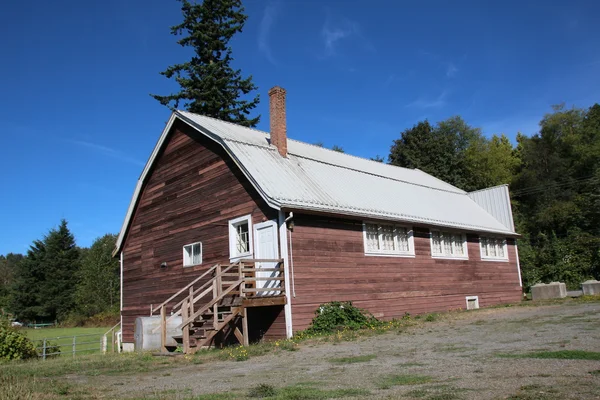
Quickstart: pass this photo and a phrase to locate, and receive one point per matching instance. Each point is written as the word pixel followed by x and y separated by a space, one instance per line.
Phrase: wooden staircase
pixel 220 303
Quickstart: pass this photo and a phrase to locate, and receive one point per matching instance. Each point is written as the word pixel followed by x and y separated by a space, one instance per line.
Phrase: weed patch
pixel 536 392
pixel 402 380
pixel 558 355
pixel 410 364
pixel 262 390
pixel 352 360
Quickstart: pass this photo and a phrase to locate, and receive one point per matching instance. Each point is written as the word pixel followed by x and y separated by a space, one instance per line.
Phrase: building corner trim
pixel 283 250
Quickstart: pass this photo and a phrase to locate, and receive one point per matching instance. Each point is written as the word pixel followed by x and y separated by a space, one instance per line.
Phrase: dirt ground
pixel 456 357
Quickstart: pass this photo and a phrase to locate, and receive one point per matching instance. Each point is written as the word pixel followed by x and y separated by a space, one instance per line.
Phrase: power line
pixel 551 186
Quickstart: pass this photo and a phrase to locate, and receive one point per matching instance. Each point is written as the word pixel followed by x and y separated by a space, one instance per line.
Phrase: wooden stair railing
pixel 186 287
pixel 225 305
pixel 176 310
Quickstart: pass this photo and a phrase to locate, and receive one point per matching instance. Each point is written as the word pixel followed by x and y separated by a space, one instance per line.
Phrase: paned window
pixel 448 244
pixel 240 237
pixel 493 248
pixel 192 254
pixel 386 239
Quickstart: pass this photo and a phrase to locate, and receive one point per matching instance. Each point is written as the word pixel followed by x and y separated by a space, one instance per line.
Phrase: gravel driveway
pixel 452 358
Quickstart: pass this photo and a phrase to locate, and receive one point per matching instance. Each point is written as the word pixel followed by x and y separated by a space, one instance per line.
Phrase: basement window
pixel 388 240
pixel 493 248
pixel 449 245
pixel 192 254
pixel 240 238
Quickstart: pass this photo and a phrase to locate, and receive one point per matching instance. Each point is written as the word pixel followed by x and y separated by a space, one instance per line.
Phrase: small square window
pixel 240 237
pixel 192 254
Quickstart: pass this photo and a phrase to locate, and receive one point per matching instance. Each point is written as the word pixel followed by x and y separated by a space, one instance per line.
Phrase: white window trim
pixel 491 258
pixel 388 253
pixel 185 255
pixel 232 235
pixel 446 256
pixel 476 298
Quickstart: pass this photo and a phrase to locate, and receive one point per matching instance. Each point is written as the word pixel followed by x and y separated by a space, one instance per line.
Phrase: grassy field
pixel 87 340
pixel 39 334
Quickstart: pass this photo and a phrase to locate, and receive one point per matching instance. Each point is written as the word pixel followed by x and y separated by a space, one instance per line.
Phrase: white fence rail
pixel 107 342
pixel 70 345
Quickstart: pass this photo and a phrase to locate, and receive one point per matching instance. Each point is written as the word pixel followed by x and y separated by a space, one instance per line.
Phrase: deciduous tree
pixel 98 288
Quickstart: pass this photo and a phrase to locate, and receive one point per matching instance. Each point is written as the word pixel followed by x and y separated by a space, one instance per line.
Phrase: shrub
pixel 336 316
pixel 51 347
pixel 262 390
pixel 430 317
pixel 14 345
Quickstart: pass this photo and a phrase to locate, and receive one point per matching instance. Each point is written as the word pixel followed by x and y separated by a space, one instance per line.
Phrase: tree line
pixel 58 281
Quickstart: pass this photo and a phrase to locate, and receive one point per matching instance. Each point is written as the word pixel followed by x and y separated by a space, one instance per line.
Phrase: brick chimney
pixel 277 113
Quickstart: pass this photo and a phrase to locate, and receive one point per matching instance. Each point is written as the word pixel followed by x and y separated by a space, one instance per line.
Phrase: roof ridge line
pixel 351 155
pixel 488 188
pixel 378 175
pixel 225 122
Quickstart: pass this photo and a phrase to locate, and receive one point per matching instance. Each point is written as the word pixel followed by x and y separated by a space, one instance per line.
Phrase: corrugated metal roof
pixel 319 179
pixel 315 178
pixel 496 201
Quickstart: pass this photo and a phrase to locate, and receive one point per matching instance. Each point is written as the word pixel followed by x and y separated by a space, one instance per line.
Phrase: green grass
pixel 402 380
pixel 410 364
pixel 296 392
pixel 263 391
pixel 39 334
pixel 38 379
pixel 559 355
pixel 83 344
pixel 536 392
pixel 91 365
pixel 437 392
pixel 352 360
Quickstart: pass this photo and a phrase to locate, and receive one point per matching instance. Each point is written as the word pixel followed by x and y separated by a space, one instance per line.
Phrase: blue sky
pixel 78 123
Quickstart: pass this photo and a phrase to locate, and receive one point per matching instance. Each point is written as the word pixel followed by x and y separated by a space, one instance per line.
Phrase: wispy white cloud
pixel 424 102
pixel 333 32
pixel 451 70
pixel 333 35
pixel 450 67
pixel 107 151
pixel 264 31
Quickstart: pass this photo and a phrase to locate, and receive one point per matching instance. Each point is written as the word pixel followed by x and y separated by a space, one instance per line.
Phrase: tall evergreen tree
pixel 98 288
pixel 209 85
pixel 8 266
pixel 45 280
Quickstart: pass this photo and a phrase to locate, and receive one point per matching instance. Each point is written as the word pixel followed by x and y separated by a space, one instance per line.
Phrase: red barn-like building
pixel 299 225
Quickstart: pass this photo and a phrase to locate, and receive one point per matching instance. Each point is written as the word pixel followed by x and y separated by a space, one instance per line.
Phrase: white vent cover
pixel 472 302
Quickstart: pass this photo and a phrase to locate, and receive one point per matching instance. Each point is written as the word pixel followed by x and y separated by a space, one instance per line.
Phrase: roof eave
pixel 375 216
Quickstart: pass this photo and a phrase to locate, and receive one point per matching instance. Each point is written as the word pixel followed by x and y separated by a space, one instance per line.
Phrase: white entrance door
pixel 265 247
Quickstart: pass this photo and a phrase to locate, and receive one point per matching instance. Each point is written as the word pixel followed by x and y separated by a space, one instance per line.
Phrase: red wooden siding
pixel 330 265
pixel 192 193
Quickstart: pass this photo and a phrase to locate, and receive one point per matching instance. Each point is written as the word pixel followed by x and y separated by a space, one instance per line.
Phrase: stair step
pixel 203 322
